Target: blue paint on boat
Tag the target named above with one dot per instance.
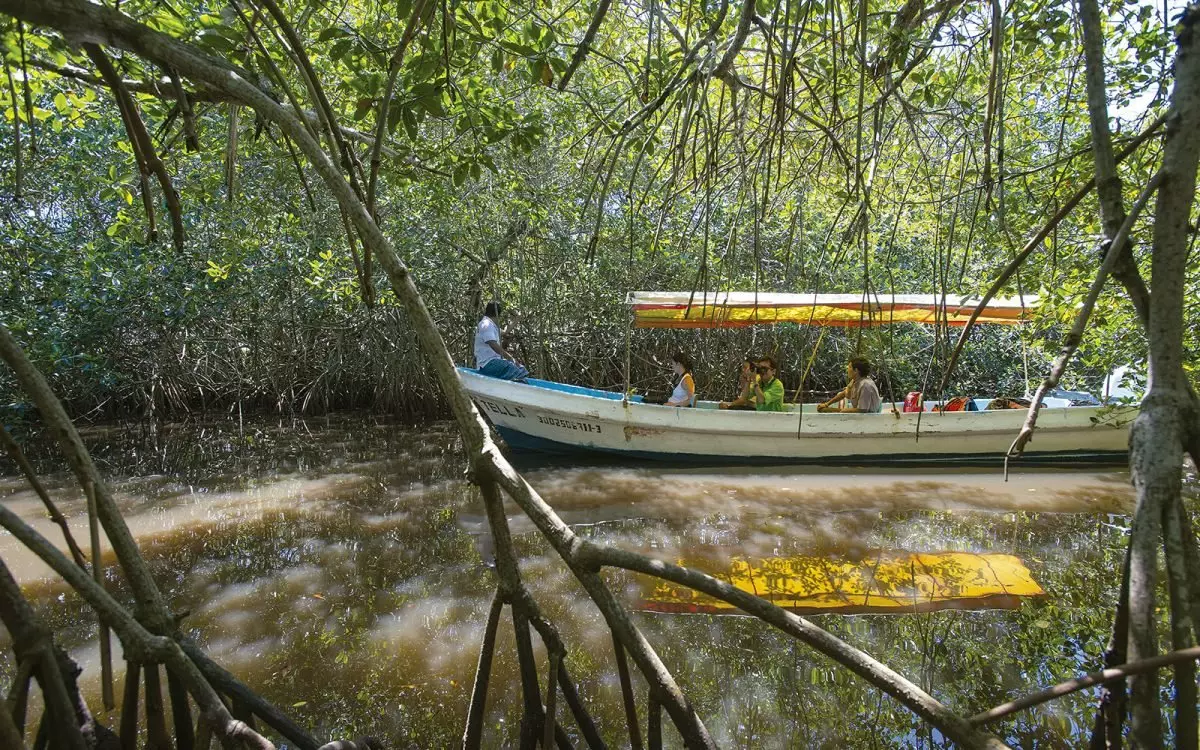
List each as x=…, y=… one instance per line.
x=578, y=390
x=519, y=441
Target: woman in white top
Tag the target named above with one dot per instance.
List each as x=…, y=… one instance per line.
x=685, y=392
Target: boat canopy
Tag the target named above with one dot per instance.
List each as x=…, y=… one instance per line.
x=739, y=309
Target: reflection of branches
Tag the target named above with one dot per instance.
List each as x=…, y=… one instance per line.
x=1104, y=676
x=592, y=556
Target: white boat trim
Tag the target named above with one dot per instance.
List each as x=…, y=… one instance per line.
x=555, y=417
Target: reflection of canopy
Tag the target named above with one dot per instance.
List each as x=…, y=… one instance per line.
x=884, y=582
x=736, y=309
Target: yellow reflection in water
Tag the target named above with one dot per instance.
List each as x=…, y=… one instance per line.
x=886, y=582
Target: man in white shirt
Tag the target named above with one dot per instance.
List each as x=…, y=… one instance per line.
x=490, y=357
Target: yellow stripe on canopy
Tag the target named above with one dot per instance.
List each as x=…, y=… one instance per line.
x=738, y=309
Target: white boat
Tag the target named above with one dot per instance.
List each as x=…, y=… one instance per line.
x=555, y=417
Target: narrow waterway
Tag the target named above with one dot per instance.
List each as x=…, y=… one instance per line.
x=341, y=567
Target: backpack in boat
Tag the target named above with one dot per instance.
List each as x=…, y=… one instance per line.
x=1008, y=403
x=960, y=403
x=913, y=402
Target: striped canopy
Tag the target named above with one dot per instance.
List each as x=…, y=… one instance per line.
x=738, y=309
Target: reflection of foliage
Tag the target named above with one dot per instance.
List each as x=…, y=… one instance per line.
x=390, y=644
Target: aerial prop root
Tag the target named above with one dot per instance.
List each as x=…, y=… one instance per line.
x=585, y=559
x=525, y=612
x=140, y=644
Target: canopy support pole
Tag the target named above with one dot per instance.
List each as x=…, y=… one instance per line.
x=803, y=377
x=628, y=345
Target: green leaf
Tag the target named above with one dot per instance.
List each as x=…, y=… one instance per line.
x=339, y=49
x=61, y=103
x=460, y=174
x=333, y=32
x=410, y=123
x=362, y=108
x=432, y=103
x=395, y=113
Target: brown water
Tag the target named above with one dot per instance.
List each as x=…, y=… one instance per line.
x=341, y=567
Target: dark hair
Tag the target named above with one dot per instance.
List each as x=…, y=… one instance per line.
x=748, y=360
x=493, y=309
x=769, y=360
x=861, y=365
x=682, y=359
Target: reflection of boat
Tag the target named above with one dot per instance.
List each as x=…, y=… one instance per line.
x=885, y=582
x=560, y=418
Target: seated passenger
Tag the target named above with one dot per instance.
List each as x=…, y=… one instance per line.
x=861, y=391
x=746, y=378
x=768, y=390
x=490, y=358
x=684, y=393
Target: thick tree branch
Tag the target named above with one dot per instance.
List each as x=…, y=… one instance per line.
x=152, y=610
x=585, y=44
x=1075, y=336
x=1108, y=183
x=725, y=66
x=18, y=457
x=137, y=132
x=1033, y=244
x=915, y=699
x=138, y=642
x=1169, y=411
x=1092, y=679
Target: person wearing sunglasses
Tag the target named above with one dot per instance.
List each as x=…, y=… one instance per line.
x=768, y=390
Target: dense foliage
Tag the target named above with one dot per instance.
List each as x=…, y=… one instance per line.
x=820, y=149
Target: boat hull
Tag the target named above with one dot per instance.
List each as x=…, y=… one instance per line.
x=556, y=418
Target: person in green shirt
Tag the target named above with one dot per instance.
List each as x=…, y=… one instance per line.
x=768, y=390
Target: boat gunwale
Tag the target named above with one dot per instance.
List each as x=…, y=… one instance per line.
x=634, y=414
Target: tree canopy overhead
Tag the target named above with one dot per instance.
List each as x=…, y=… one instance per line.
x=553, y=152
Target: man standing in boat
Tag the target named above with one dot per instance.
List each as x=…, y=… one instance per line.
x=861, y=392
x=768, y=390
x=490, y=357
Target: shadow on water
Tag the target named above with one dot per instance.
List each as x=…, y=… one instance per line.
x=341, y=567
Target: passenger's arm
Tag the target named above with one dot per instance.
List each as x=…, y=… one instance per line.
x=500, y=350
x=824, y=405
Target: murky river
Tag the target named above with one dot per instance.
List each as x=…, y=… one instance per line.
x=341, y=567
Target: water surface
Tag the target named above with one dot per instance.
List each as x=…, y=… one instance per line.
x=343, y=568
